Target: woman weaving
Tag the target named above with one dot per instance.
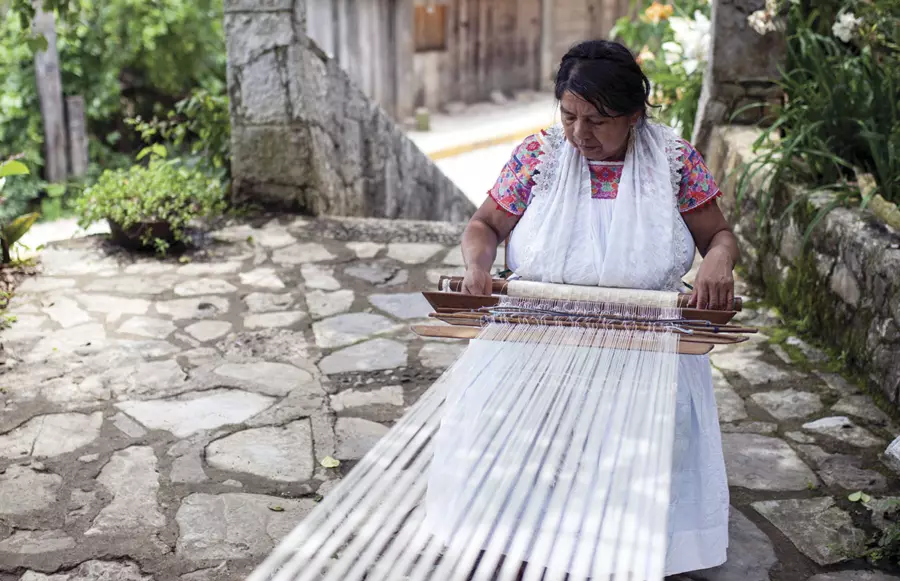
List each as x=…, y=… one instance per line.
x=610, y=199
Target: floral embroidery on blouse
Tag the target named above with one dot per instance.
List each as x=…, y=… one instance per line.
x=512, y=191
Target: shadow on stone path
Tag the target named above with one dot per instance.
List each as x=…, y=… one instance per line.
x=166, y=421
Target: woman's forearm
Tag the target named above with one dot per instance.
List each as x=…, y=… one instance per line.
x=725, y=241
x=479, y=245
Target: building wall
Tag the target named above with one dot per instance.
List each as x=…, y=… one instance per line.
x=304, y=137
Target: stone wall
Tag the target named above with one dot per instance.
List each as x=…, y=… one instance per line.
x=305, y=138
x=742, y=70
x=844, y=282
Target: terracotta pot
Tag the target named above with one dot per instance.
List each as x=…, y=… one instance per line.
x=131, y=237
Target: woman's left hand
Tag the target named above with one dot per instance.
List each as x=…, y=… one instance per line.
x=714, y=285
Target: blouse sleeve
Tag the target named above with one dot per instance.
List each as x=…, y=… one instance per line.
x=512, y=191
x=698, y=188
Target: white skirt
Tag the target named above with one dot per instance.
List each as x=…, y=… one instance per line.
x=699, y=502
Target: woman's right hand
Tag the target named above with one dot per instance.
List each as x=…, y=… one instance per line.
x=477, y=282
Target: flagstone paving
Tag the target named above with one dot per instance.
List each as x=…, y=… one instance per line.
x=165, y=421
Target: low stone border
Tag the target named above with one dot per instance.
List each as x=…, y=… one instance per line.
x=845, y=282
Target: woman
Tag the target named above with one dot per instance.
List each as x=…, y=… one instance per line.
x=611, y=199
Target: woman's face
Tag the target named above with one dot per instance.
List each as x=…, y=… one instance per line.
x=598, y=138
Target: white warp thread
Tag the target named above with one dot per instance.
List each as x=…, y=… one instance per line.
x=545, y=445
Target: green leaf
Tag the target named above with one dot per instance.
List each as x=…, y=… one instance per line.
x=329, y=462
x=56, y=190
x=13, y=168
x=37, y=43
x=855, y=497
x=13, y=231
x=865, y=497
x=276, y=508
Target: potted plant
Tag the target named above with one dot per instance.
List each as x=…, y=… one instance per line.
x=151, y=206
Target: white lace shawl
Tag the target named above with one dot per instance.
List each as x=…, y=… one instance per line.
x=645, y=243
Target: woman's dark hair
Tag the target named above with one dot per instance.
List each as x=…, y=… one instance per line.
x=606, y=75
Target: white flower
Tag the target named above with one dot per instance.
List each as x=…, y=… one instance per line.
x=691, y=45
x=762, y=21
x=845, y=25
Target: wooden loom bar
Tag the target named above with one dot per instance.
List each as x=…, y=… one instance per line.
x=454, y=283
x=453, y=332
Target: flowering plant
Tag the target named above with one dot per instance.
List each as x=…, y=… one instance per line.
x=672, y=45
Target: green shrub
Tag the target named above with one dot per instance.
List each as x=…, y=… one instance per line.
x=841, y=116
x=162, y=192
x=12, y=231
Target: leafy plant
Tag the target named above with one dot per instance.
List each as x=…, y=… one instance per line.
x=672, y=42
x=164, y=193
x=841, y=116
x=13, y=231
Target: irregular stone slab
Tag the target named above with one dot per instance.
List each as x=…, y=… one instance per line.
x=812, y=353
x=402, y=305
x=235, y=525
x=209, y=268
x=283, y=453
x=271, y=344
x=36, y=542
x=133, y=285
x=788, y=403
x=267, y=302
x=391, y=395
x=862, y=407
x=892, y=455
x=844, y=470
x=44, y=284
x=747, y=364
x=855, y=576
x=882, y=508
x=273, y=320
x=276, y=379
x=128, y=426
x=412, y=252
x=51, y=435
x=440, y=355
x=131, y=477
x=149, y=267
x=301, y=254
x=269, y=236
x=219, y=573
x=764, y=463
x=356, y=436
x=204, y=286
x=730, y=405
x=76, y=262
x=374, y=355
x=750, y=428
x=201, y=356
x=94, y=571
x=821, y=531
x=188, y=468
x=319, y=277
x=23, y=490
x=262, y=278
x=113, y=305
x=149, y=379
x=66, y=313
x=841, y=428
x=837, y=383
x=800, y=438
x=194, y=308
x=148, y=327
x=375, y=272
x=365, y=249
x=324, y=304
x=66, y=341
x=750, y=553
x=195, y=412
x=204, y=331
x=350, y=328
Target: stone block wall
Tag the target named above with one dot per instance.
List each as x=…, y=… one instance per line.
x=305, y=138
x=742, y=70
x=844, y=281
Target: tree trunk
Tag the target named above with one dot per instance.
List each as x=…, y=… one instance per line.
x=78, y=139
x=49, y=85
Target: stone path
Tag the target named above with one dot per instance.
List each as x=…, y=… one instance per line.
x=167, y=420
